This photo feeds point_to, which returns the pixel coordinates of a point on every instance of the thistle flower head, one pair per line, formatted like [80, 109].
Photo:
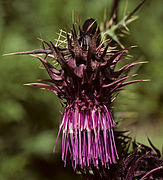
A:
[86, 82]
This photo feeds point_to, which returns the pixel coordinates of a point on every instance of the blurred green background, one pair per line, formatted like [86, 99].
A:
[29, 116]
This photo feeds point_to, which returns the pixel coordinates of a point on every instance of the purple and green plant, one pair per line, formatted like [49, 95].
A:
[86, 79]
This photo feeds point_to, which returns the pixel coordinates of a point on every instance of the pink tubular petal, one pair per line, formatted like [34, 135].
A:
[80, 148]
[67, 147]
[63, 145]
[88, 135]
[89, 147]
[112, 147]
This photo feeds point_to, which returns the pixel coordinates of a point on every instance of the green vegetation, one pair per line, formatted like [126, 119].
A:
[29, 117]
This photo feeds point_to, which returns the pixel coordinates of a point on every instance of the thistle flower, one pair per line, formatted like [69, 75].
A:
[86, 83]
[140, 162]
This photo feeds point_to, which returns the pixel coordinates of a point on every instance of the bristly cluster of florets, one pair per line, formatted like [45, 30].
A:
[140, 163]
[86, 82]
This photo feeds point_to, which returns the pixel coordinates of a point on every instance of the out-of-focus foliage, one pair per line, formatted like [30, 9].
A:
[29, 117]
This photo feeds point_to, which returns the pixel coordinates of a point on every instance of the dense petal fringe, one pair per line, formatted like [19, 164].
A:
[88, 135]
